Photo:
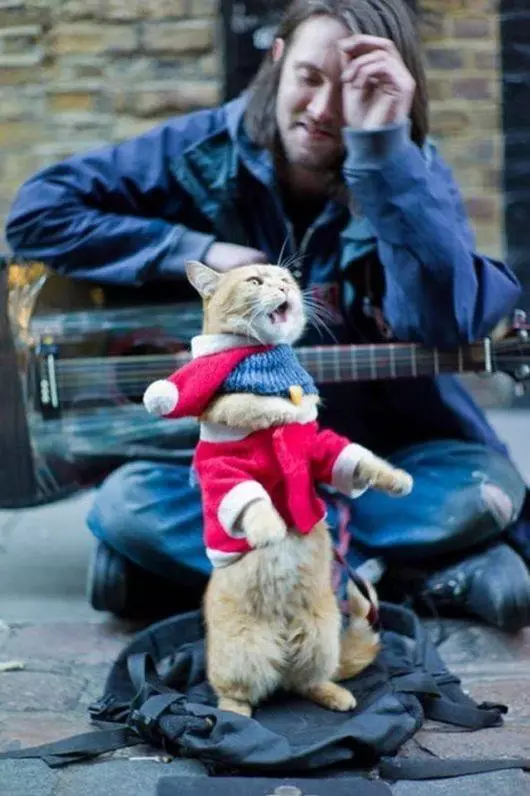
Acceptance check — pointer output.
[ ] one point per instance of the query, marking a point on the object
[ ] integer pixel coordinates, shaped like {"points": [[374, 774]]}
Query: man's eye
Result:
{"points": [[309, 78]]}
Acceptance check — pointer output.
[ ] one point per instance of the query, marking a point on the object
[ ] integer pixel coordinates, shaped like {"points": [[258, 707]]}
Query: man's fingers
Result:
{"points": [[360, 43], [355, 68]]}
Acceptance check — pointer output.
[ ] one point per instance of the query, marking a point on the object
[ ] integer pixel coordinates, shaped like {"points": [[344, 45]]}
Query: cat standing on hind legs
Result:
{"points": [[272, 618]]}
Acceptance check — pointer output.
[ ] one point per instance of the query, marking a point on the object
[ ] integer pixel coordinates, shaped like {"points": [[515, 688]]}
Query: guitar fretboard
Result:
{"points": [[337, 363], [327, 364]]}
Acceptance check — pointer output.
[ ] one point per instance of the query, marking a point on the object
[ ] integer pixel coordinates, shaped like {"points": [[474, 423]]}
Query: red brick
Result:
{"points": [[482, 208], [444, 58], [473, 88], [447, 122], [472, 27], [432, 25], [487, 60]]}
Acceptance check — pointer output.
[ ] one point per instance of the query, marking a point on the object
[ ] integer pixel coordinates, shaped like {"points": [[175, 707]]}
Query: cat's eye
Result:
{"points": [[254, 280]]}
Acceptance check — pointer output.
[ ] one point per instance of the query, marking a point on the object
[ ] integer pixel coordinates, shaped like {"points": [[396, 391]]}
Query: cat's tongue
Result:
{"points": [[279, 315]]}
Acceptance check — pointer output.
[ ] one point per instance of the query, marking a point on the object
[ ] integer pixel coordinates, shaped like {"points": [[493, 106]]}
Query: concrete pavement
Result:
{"points": [[64, 649]]}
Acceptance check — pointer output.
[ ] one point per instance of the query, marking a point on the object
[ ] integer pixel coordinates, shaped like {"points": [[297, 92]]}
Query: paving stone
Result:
{"points": [[8, 521], [120, 777], [79, 642], [519, 645], [95, 678], [18, 730], [27, 778], [39, 691], [472, 643], [515, 693], [5, 631], [496, 783], [497, 742]]}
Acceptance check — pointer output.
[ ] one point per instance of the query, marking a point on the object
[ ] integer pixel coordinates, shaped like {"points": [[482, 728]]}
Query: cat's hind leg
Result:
{"points": [[314, 648], [244, 662]]}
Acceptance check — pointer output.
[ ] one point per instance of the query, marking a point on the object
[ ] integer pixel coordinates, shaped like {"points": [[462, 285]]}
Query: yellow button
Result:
{"points": [[296, 394]]}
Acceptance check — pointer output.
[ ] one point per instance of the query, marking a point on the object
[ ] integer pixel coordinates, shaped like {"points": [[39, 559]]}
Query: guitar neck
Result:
{"points": [[334, 363], [373, 362]]}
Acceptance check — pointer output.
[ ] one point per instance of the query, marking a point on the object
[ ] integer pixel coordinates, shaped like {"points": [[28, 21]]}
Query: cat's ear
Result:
{"points": [[203, 278]]}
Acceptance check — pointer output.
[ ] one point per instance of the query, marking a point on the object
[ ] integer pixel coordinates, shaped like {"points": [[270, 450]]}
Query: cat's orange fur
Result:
{"points": [[272, 618]]}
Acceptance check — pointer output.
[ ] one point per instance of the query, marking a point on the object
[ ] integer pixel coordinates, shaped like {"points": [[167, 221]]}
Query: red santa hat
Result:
{"points": [[188, 391]]}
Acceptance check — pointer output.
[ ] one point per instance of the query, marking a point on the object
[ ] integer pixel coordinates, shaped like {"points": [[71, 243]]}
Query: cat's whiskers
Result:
{"points": [[317, 314], [286, 241], [292, 261], [322, 309]]}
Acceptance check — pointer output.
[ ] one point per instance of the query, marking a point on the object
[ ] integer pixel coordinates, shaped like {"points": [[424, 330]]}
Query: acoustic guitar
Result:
{"points": [[77, 356]]}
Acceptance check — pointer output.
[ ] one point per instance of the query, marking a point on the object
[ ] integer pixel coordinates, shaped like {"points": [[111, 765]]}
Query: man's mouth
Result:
{"points": [[320, 133], [279, 315]]}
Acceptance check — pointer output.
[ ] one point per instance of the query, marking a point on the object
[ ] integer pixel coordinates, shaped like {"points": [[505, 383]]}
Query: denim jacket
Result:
{"points": [[401, 264]]}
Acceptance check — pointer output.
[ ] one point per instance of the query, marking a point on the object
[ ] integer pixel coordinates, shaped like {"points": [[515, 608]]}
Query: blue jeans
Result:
{"points": [[464, 495]]}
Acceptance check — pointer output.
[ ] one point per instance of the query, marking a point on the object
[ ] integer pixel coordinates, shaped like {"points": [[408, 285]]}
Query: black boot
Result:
{"points": [[128, 591], [493, 585]]}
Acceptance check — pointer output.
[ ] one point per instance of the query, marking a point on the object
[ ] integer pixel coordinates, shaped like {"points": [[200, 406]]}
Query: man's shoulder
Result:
{"points": [[197, 126]]}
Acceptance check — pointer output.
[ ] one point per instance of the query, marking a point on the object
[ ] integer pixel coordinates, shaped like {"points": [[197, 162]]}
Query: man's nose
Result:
{"points": [[322, 107]]}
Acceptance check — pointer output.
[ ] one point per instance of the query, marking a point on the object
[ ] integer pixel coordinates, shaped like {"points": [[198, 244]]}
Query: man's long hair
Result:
{"points": [[390, 19]]}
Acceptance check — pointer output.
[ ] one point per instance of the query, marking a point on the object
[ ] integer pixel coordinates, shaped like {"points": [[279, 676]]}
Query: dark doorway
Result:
{"points": [[515, 38]]}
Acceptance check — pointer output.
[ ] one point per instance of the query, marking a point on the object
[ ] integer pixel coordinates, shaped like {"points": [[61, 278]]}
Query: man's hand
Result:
{"points": [[225, 256], [377, 88]]}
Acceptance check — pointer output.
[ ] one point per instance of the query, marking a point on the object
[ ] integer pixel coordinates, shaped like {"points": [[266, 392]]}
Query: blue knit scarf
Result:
{"points": [[270, 372]]}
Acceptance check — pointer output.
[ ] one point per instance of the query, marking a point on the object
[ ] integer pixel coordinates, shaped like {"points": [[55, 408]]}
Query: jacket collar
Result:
{"points": [[206, 344]]}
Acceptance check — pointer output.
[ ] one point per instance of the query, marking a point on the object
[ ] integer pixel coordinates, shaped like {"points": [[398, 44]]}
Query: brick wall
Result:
{"points": [[78, 73], [75, 74], [462, 50]]}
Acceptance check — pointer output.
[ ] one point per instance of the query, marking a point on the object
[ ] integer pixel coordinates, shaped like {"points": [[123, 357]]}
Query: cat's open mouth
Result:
{"points": [[279, 315]]}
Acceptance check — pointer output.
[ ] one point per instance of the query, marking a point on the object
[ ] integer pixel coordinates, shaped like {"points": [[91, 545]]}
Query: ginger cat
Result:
{"points": [[272, 618]]}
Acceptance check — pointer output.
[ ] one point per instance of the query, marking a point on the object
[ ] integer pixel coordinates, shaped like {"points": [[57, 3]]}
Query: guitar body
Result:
{"points": [[77, 357], [100, 421]]}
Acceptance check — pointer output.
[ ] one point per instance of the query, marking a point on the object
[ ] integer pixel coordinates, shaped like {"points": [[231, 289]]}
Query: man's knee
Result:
{"points": [[132, 501], [499, 504]]}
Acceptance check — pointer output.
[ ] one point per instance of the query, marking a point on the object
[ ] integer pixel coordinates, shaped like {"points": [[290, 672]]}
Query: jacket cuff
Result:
{"points": [[186, 245], [235, 502], [343, 472], [367, 149]]}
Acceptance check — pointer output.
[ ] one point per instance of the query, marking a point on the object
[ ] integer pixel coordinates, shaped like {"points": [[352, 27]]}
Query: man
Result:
{"points": [[324, 159]]}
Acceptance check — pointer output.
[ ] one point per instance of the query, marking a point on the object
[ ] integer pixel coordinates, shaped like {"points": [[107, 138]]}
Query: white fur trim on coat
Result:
{"points": [[161, 397], [219, 432], [218, 558], [204, 344], [235, 501], [343, 473]]}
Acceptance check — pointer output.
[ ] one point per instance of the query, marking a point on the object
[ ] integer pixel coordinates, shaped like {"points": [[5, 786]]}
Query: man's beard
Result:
{"points": [[328, 170]]}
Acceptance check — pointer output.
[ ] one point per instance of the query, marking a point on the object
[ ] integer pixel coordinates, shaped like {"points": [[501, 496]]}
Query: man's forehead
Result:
{"points": [[314, 43]]}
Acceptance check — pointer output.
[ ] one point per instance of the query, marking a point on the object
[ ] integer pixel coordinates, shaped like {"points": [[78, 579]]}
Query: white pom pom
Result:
{"points": [[161, 397]]}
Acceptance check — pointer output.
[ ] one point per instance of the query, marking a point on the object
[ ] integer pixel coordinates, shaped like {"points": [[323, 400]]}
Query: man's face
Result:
{"points": [[309, 101]]}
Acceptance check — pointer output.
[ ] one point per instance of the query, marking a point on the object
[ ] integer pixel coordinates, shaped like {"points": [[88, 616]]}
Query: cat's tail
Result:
{"points": [[360, 641]]}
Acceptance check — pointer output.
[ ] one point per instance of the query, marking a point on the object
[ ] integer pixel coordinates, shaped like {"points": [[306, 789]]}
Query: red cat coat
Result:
{"points": [[281, 464]]}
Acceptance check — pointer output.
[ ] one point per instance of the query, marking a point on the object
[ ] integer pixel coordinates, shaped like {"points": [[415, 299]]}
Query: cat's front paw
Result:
{"points": [[262, 524], [381, 475], [394, 481]]}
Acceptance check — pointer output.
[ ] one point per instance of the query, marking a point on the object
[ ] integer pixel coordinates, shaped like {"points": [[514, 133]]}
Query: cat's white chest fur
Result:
{"points": [[236, 415]]}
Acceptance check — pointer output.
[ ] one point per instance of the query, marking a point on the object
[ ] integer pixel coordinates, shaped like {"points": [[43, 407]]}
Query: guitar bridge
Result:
{"points": [[47, 393]]}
